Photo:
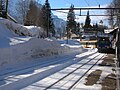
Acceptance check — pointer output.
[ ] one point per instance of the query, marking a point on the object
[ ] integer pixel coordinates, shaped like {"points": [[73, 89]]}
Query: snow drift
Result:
{"points": [[15, 49], [21, 30]]}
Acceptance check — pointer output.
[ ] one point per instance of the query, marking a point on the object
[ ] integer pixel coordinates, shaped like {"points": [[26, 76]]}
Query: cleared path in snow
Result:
{"points": [[22, 78], [68, 77]]}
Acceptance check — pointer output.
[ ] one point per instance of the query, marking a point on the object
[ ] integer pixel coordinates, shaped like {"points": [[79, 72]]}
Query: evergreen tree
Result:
{"points": [[47, 20], [95, 27], [78, 28], [87, 21], [71, 23], [101, 26]]}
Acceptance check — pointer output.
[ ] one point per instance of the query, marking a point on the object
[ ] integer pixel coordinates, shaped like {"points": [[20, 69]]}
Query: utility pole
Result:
{"points": [[48, 21], [67, 36], [117, 49]]}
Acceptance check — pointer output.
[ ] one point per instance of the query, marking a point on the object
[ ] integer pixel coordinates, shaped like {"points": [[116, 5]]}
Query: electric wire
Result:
{"points": [[97, 2], [68, 2], [92, 11]]}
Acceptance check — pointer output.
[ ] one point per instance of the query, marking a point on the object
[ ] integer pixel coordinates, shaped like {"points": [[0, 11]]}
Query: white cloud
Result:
{"points": [[61, 14]]}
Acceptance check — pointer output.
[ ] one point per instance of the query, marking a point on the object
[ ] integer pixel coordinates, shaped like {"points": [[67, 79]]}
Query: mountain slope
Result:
{"points": [[60, 24]]}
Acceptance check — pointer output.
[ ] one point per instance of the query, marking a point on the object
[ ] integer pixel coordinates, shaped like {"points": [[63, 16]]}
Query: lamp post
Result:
{"points": [[48, 24], [67, 35]]}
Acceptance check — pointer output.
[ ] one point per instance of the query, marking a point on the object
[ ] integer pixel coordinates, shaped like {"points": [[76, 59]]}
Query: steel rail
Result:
{"points": [[84, 74], [69, 73], [35, 66]]}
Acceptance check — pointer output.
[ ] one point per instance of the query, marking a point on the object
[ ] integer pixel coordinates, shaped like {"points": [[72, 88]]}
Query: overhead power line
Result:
{"points": [[85, 9], [81, 14], [89, 6]]}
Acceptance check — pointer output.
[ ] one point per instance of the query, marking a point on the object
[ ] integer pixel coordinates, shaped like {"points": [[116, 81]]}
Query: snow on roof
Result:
{"points": [[108, 30]]}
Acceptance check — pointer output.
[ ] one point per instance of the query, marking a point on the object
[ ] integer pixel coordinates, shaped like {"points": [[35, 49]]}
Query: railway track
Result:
{"points": [[15, 76], [56, 85], [68, 81], [84, 74]]}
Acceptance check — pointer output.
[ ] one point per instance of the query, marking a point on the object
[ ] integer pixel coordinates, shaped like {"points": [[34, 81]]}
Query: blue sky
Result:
{"points": [[80, 3], [76, 3]]}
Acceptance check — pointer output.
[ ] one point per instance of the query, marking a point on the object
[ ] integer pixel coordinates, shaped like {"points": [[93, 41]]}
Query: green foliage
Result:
{"points": [[87, 22], [71, 23], [47, 20], [78, 28]]}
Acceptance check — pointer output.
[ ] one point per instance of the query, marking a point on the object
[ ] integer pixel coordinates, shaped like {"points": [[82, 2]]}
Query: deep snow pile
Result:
{"points": [[33, 48], [35, 31], [21, 30], [5, 35], [16, 49]]}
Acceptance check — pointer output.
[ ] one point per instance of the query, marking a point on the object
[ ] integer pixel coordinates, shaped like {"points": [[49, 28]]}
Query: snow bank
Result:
{"points": [[71, 45], [5, 35], [16, 49], [16, 28], [33, 48], [22, 30], [35, 31]]}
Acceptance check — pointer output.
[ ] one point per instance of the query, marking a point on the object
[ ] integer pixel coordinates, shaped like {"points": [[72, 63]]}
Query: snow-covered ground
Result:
{"points": [[16, 49], [28, 62], [47, 71]]}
